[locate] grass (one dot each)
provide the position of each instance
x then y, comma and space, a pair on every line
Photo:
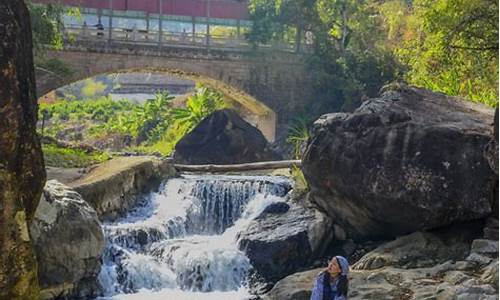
71, 158
300, 187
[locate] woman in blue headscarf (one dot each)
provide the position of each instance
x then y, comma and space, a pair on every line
332, 283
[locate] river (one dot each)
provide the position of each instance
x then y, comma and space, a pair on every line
181, 242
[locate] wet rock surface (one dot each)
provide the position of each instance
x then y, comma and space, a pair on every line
282, 240
69, 242
402, 163
223, 138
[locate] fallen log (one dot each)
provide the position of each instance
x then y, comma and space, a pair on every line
264, 165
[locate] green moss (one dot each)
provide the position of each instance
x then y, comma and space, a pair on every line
71, 158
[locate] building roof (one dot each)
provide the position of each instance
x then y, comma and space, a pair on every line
223, 9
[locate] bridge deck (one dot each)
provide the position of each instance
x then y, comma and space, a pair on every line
133, 37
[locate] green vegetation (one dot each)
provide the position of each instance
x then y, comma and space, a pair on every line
56, 156
202, 103
300, 184
447, 45
47, 24
103, 123
358, 46
298, 134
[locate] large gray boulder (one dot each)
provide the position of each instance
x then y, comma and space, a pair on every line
407, 161
284, 238
223, 137
68, 242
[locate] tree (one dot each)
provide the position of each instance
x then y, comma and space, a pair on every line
447, 45
22, 172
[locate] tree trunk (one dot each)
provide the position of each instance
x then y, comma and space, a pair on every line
22, 174
239, 167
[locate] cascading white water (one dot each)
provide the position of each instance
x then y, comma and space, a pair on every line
181, 243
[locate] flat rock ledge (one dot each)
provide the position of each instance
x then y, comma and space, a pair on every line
115, 186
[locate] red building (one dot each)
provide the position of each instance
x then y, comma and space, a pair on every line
222, 9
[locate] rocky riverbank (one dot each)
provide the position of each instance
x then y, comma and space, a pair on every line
414, 172
411, 267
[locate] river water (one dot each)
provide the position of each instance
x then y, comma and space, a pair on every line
181, 242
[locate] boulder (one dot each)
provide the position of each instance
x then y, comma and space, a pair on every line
21, 161
68, 242
223, 137
115, 186
416, 250
280, 241
410, 160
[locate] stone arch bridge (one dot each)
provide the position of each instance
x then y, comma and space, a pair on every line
270, 85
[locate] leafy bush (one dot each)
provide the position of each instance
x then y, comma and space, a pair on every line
202, 103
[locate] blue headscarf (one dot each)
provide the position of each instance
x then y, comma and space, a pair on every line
344, 265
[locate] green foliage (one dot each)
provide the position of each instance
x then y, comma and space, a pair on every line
448, 45
298, 134
154, 126
93, 88
202, 103
47, 24
55, 156
360, 45
156, 116
349, 59
300, 184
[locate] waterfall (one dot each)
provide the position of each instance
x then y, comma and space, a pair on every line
182, 241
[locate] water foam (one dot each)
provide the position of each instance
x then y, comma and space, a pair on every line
181, 243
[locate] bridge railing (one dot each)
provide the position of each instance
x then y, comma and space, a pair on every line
167, 39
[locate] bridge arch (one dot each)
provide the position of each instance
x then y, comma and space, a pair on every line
252, 110
273, 86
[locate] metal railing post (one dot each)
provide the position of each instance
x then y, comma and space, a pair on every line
160, 25
110, 2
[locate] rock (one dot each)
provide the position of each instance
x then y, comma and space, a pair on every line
339, 233
280, 244
21, 162
223, 138
487, 247
68, 242
115, 186
297, 286
479, 259
490, 274
490, 230
275, 208
401, 163
491, 155
420, 249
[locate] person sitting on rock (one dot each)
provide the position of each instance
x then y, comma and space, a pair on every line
332, 283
